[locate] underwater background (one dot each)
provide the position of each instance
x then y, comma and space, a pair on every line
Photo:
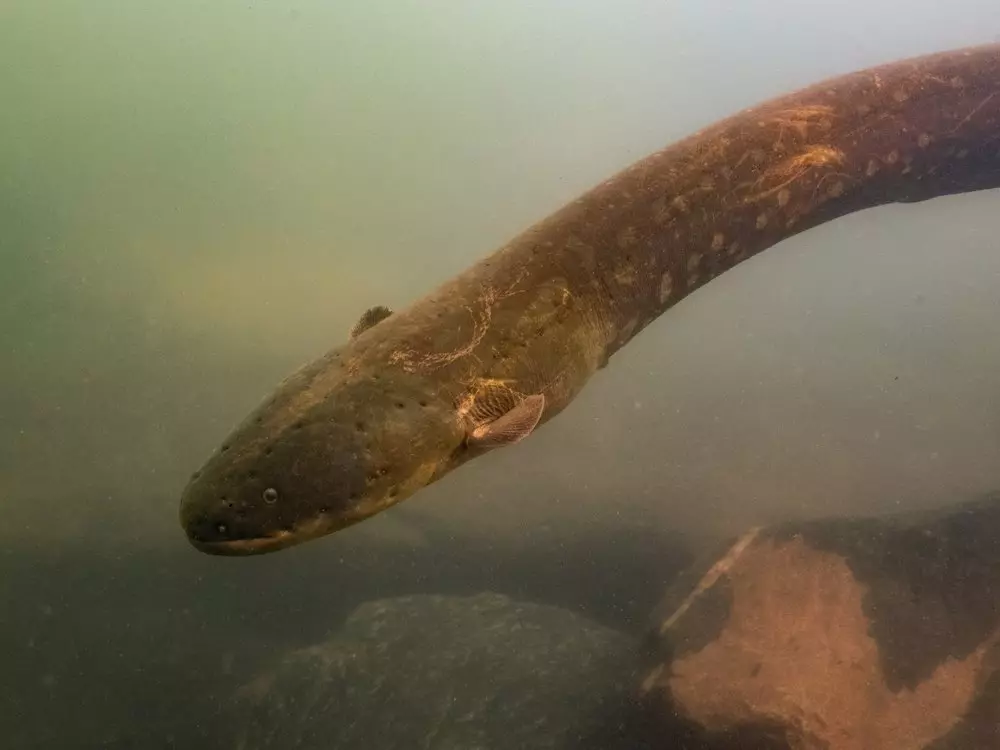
195, 198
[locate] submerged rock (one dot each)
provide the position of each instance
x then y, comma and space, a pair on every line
855, 634
448, 673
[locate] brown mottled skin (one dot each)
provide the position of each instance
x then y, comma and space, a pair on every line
380, 417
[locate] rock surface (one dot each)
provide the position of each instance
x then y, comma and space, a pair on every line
854, 634
449, 673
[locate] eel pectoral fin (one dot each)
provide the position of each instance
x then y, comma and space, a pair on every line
512, 426
371, 317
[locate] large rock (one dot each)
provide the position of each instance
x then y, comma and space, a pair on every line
859, 634
448, 673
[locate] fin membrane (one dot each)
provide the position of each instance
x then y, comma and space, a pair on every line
513, 426
371, 317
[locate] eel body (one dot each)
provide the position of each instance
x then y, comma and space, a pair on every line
508, 344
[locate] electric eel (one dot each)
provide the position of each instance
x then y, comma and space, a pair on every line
505, 346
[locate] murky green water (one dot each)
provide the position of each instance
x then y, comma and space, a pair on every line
197, 197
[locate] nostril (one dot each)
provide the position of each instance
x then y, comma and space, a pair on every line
213, 529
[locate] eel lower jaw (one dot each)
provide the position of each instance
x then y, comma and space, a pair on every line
244, 547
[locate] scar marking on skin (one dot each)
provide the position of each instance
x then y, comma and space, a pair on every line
666, 287
661, 212
797, 167
411, 360
973, 113
718, 241
799, 119
755, 154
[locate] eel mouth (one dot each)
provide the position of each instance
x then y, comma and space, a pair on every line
273, 540
250, 546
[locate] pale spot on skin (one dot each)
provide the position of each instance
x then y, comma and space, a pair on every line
733, 249
707, 183
836, 189
893, 157
680, 204
901, 95
693, 261
718, 241
626, 276
872, 168
962, 153
666, 287
783, 197
626, 237
924, 140
957, 83
761, 221
661, 212
627, 330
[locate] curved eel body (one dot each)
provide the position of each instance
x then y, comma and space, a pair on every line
510, 342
